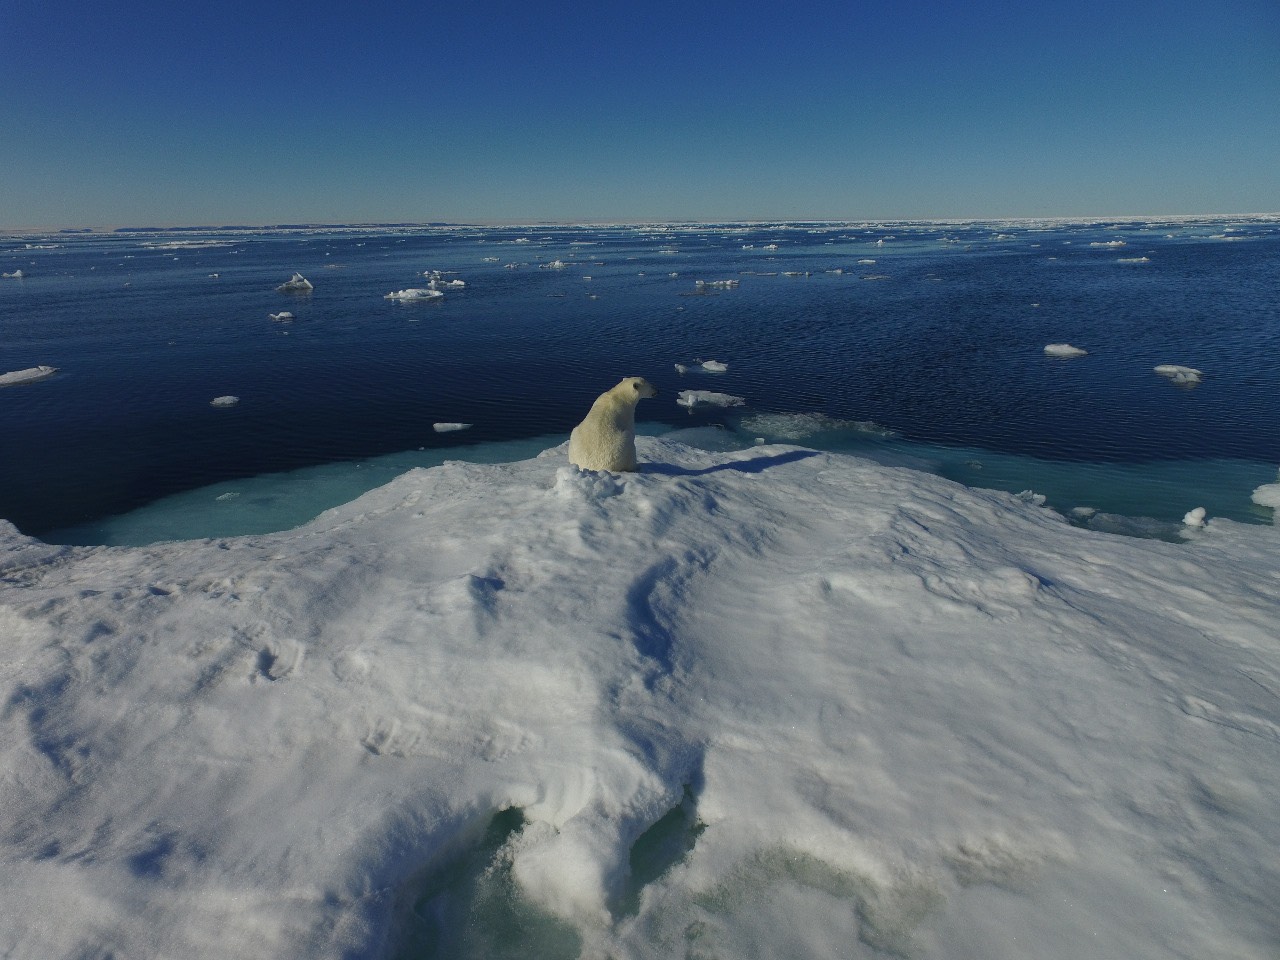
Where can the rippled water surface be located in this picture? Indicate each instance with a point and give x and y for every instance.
(920, 343)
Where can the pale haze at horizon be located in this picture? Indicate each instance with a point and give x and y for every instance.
(144, 113)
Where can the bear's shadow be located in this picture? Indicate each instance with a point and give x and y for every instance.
(754, 465)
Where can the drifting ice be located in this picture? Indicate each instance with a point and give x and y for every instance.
(227, 401)
(1181, 376)
(16, 275)
(708, 398)
(714, 366)
(283, 316)
(26, 376)
(449, 427)
(1064, 350)
(296, 284)
(413, 293)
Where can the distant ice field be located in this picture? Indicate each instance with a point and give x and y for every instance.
(906, 342)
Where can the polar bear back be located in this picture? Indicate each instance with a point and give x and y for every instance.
(606, 439)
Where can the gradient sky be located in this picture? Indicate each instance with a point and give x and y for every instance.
(162, 113)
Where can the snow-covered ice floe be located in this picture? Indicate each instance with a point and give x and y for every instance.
(15, 275)
(225, 401)
(715, 284)
(284, 316)
(296, 284)
(29, 375)
(708, 398)
(1180, 376)
(1268, 495)
(714, 366)
(414, 293)
(1064, 350)
(770, 703)
(450, 427)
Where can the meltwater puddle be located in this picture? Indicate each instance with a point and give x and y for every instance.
(1136, 499)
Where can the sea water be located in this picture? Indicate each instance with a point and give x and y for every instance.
(912, 343)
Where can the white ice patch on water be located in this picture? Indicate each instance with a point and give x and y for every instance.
(450, 427)
(1064, 350)
(284, 316)
(414, 293)
(1195, 517)
(29, 375)
(296, 284)
(714, 366)
(224, 401)
(1268, 495)
(15, 275)
(708, 398)
(1179, 375)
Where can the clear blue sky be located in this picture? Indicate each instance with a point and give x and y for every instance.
(164, 113)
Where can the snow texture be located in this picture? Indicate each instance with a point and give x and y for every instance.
(887, 714)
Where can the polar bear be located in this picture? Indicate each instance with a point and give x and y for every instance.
(606, 439)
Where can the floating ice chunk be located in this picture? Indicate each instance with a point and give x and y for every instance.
(414, 293)
(714, 366)
(553, 265)
(29, 375)
(1108, 243)
(715, 284)
(227, 401)
(1268, 495)
(1031, 497)
(449, 427)
(296, 284)
(866, 261)
(1194, 518)
(1181, 376)
(16, 275)
(681, 369)
(1064, 350)
(1134, 260)
(770, 246)
(708, 398)
(284, 316)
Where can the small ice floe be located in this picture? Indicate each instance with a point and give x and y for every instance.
(1032, 498)
(865, 261)
(414, 293)
(770, 246)
(1194, 518)
(715, 284)
(1064, 350)
(707, 398)
(1134, 260)
(16, 275)
(29, 375)
(553, 265)
(1108, 243)
(227, 401)
(714, 366)
(284, 316)
(229, 495)
(491, 259)
(213, 276)
(296, 284)
(450, 427)
(1268, 495)
(1180, 376)
(681, 369)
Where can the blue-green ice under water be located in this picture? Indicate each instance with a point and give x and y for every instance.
(1138, 499)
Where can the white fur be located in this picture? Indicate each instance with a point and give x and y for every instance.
(606, 439)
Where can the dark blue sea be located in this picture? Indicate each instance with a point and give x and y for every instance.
(914, 343)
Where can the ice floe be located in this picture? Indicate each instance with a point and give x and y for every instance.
(714, 366)
(1064, 350)
(1134, 260)
(553, 265)
(414, 293)
(715, 284)
(225, 401)
(1180, 376)
(16, 275)
(284, 316)
(296, 284)
(1194, 518)
(1268, 495)
(1108, 243)
(29, 375)
(767, 703)
(450, 427)
(708, 398)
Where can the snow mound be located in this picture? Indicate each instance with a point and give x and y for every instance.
(768, 703)
(1064, 350)
(708, 398)
(296, 284)
(29, 375)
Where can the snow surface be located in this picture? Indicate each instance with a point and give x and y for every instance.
(769, 703)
